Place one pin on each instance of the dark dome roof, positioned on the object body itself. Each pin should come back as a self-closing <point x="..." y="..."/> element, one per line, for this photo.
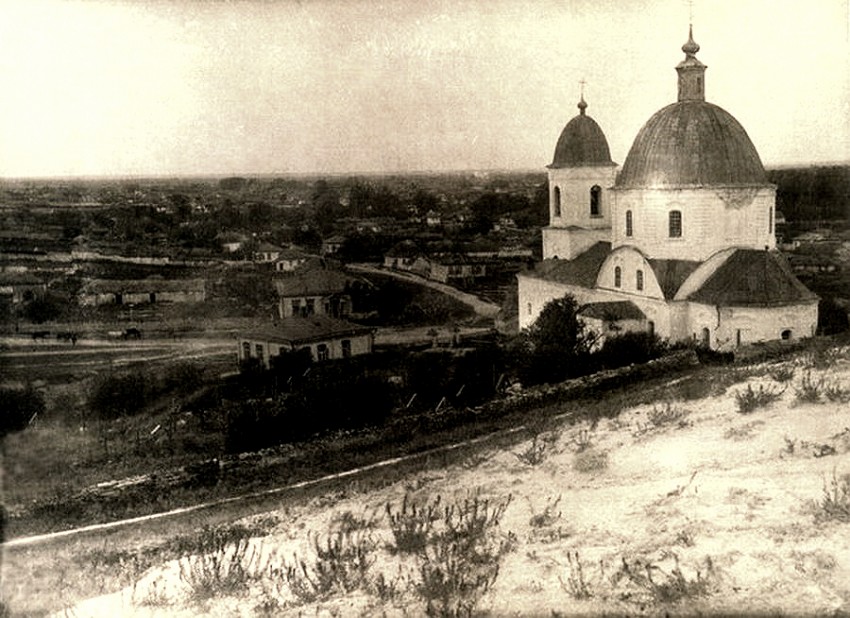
<point x="582" y="143"/>
<point x="691" y="143"/>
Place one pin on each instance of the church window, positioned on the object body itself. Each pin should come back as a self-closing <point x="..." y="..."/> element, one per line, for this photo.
<point x="639" y="280"/>
<point x="786" y="334"/>
<point x="770" y="220"/>
<point x="529" y="308"/>
<point x="618" y="276"/>
<point x="629" y="228"/>
<point x="675" y="224"/>
<point x="595" y="200"/>
<point x="557" y="201"/>
<point x="650" y="327"/>
<point x="706" y="337"/>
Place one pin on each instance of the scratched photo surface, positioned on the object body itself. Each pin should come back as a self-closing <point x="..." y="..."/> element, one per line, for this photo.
<point x="424" y="308"/>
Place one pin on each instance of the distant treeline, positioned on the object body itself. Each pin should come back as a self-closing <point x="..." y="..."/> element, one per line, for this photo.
<point x="812" y="193"/>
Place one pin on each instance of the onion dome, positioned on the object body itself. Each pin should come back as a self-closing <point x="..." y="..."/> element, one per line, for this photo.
<point x="582" y="143"/>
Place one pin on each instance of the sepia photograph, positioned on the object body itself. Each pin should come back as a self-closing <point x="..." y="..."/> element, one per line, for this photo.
<point x="429" y="308"/>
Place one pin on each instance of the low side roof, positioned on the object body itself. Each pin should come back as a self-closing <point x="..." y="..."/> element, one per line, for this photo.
<point x="752" y="278"/>
<point x="581" y="270"/>
<point x="671" y="274"/>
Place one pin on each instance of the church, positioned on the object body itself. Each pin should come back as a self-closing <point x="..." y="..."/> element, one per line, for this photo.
<point x="679" y="241"/>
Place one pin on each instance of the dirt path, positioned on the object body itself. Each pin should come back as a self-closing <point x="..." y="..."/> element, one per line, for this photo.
<point x="481" y="307"/>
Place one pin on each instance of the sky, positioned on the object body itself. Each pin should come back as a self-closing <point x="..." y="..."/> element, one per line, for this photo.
<point x="184" y="87"/>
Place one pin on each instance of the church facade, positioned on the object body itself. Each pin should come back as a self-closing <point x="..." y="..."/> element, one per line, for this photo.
<point x="678" y="241"/>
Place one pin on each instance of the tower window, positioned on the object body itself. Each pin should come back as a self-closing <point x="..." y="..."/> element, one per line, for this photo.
<point x="557" y="201"/>
<point x="629" y="228"/>
<point x="770" y="220"/>
<point x="595" y="200"/>
<point x="639" y="280"/>
<point x="618" y="276"/>
<point x="675" y="224"/>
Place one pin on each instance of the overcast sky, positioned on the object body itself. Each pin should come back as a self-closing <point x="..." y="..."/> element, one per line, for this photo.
<point x="182" y="87"/>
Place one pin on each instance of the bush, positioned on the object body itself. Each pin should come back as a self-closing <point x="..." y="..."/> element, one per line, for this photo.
<point x="226" y="563"/>
<point x="751" y="399"/>
<point x="628" y="349"/>
<point x="19" y="407"/>
<point x="835" y="503"/>
<point x="119" y="394"/>
<point x="412" y="526"/>
<point x="810" y="389"/>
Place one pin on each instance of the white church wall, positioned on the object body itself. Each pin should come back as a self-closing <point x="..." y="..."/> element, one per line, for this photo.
<point x="711" y="219"/>
<point x="566" y="244"/>
<point x="574" y="185"/>
<point x="629" y="261"/>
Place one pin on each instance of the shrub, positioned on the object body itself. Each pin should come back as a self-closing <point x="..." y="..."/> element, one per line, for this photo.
<point x="628" y="349"/>
<point x="836" y="393"/>
<point x="782" y="374"/>
<point x="810" y="389"/>
<point x="534" y="453"/>
<point x="462" y="562"/>
<point x="750" y="399"/>
<point x="19" y="407"/>
<point x="835" y="502"/>
<point x="662" y="586"/>
<point x="667" y="415"/>
<point x="227" y="564"/>
<point x="412" y="525"/>
<point x="340" y="565"/>
<point x="575" y="583"/>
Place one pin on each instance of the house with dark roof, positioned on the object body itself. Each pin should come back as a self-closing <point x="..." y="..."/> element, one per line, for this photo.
<point x="315" y="291"/>
<point x="679" y="241"/>
<point x="327" y="339"/>
<point x="402" y="255"/>
<point x="266" y="252"/>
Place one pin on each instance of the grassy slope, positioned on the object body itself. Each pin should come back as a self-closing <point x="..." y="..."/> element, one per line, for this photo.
<point x="725" y="494"/>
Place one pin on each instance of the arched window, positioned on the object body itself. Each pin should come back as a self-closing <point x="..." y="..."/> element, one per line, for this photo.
<point x="595" y="200"/>
<point x="675" y="224"/>
<point x="639" y="280"/>
<point x="786" y="334"/>
<point x="770" y="220"/>
<point x="629" y="228"/>
<point x="618" y="276"/>
<point x="557" y="201"/>
<point x="706" y="338"/>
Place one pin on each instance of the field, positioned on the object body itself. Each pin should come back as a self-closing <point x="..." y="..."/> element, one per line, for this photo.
<point x="721" y="492"/>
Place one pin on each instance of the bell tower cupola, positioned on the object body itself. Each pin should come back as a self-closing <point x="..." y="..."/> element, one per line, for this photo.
<point x="691" y="72"/>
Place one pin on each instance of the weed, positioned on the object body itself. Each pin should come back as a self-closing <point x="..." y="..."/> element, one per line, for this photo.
<point x="227" y="565"/>
<point x="575" y="583"/>
<point x="810" y="389"/>
<point x="389" y="589"/>
<point x="836" y="393"/>
<point x="462" y="562"/>
<point x="582" y="441"/>
<point x="782" y="374"/>
<point x="790" y="445"/>
<point x="835" y="502"/>
<point x="412" y="525"/>
<point x="534" y="453"/>
<point x="549" y="515"/>
<point x="751" y="399"/>
<point x="341" y="564"/>
<point x="590" y="461"/>
<point x="667" y="415"/>
<point x="665" y="586"/>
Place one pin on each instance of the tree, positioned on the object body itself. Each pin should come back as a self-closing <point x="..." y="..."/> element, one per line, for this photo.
<point x="556" y="346"/>
<point x="19" y="407"/>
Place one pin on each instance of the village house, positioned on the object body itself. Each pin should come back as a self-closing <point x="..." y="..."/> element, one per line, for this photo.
<point x="266" y="252"/>
<point x="289" y="260"/>
<point x="139" y="291"/>
<point x="315" y="291"/>
<point x="402" y="255"/>
<point x="20" y="287"/>
<point x="326" y="338"/>
<point x="684" y="231"/>
<point x="333" y="244"/>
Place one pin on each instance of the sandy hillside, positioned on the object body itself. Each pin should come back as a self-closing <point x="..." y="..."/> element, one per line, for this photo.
<point x="682" y="506"/>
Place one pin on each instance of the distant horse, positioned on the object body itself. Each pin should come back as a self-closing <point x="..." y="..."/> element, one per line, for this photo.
<point x="67" y="336"/>
<point x="40" y="334"/>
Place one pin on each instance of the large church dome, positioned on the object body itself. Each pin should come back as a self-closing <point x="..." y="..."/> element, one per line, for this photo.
<point x="582" y="143"/>
<point x="691" y="142"/>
